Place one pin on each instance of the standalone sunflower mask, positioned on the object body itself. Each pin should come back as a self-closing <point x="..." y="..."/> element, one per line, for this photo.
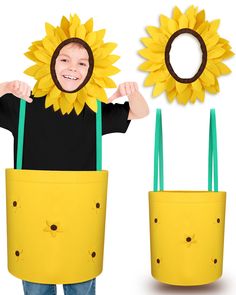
<point x="45" y="52"/>
<point x="161" y="74"/>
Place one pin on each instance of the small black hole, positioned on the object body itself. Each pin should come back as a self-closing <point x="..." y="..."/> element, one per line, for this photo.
<point x="98" y="205"/>
<point x="14" y="203"/>
<point x="17" y="253"/>
<point x="215" y="261"/>
<point x="53" y="227"/>
<point x="158" y="260"/>
<point x="188" y="239"/>
<point x="93" y="254"/>
<point x="155" y="220"/>
<point x="218" y="220"/>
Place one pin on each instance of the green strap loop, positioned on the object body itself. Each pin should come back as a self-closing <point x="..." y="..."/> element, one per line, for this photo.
<point x="158" y="155"/>
<point x="21" y="126"/>
<point x="99" y="136"/>
<point x="212" y="153"/>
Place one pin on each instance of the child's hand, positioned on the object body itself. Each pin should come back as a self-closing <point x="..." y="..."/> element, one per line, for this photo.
<point x="124" y="89"/>
<point x="19" y="89"/>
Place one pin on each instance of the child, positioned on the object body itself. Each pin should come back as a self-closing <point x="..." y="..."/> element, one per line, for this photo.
<point x="54" y="141"/>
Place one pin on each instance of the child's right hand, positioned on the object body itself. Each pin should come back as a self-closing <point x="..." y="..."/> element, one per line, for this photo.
<point x="19" y="89"/>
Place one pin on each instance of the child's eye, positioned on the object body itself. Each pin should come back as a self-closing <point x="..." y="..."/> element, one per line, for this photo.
<point x="82" y="64"/>
<point x="64" y="60"/>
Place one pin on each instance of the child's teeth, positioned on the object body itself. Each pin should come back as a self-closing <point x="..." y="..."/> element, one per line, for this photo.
<point x="69" y="77"/>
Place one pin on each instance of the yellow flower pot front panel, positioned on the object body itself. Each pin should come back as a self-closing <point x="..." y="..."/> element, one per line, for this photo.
<point x="187" y="236"/>
<point x="55" y="224"/>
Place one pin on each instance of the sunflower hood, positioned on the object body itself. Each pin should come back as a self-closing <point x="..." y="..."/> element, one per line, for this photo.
<point x="100" y="53"/>
<point x="156" y="52"/>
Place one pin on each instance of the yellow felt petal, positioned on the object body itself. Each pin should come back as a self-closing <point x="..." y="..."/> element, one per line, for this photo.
<point x="176" y="13"/>
<point x="107" y="48"/>
<point x="61" y="34"/>
<point x="158" y="88"/>
<point x="170" y="84"/>
<point x="224" y="70"/>
<point x="89" y="25"/>
<point x="38" y="92"/>
<point x="149" y="66"/>
<point x="203" y="27"/>
<point x="52" y="97"/>
<point x="172" y="26"/>
<point x="196" y="85"/>
<point x="109" y="71"/>
<point x="49" y="29"/>
<point x="153" y="46"/>
<point x="190" y="13"/>
<point x="184" y="97"/>
<point x="48" y="46"/>
<point x="100" y="35"/>
<point x="78" y="107"/>
<point x="152" y="56"/>
<point x="91" y="38"/>
<point x="46" y="82"/>
<point x="80" y="32"/>
<point x="70" y="97"/>
<point x="105" y="82"/>
<point x="214" y="25"/>
<point x="154" y="32"/>
<point x="42" y="56"/>
<point x="65" y="106"/>
<point x="96" y="91"/>
<point x="31" y="71"/>
<point x="92" y="103"/>
<point x="164" y="21"/>
<point x="180" y="87"/>
<point x="216" y="52"/>
<point x="65" y="24"/>
<point x="227" y="54"/>
<point x="75" y="20"/>
<point x="151" y="79"/>
<point x="163" y="75"/>
<point x="200" y="18"/>
<point x="183" y="22"/>
<point x="42" y="71"/>
<point x="171" y="95"/>
<point x="212" y="67"/>
<point x="208" y="78"/>
<point x="211" y="42"/>
<point x="31" y="56"/>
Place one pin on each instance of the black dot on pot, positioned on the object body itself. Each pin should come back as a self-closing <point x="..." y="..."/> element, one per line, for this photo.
<point x="218" y="220"/>
<point x="188" y="239"/>
<point x="17" y="253"/>
<point x="97" y="205"/>
<point x="158" y="261"/>
<point x="93" y="254"/>
<point x="155" y="220"/>
<point x="14" y="203"/>
<point x="53" y="227"/>
<point x="215" y="261"/>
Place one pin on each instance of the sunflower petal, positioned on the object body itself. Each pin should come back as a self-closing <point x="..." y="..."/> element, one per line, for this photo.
<point x="183" y="22"/>
<point x="159" y="88"/>
<point x="224" y="70"/>
<point x="89" y="25"/>
<point x="176" y="13"/>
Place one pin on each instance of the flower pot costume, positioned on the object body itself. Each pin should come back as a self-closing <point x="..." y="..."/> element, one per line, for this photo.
<point x="56" y="201"/>
<point x="186" y="227"/>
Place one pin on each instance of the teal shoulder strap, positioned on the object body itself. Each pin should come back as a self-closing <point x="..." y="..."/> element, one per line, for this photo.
<point x="158" y="155"/>
<point x="212" y="153"/>
<point x="21" y="127"/>
<point x="99" y="136"/>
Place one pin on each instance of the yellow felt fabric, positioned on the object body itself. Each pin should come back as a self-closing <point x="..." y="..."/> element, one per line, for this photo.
<point x="55" y="224"/>
<point x="187" y="236"/>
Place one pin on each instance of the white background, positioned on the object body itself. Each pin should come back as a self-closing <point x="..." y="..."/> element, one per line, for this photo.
<point x="129" y="157"/>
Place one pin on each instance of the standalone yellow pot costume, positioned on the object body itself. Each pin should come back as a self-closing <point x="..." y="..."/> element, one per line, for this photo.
<point x="56" y="219"/>
<point x="186" y="227"/>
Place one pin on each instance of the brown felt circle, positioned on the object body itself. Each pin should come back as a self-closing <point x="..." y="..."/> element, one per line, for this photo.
<point x="55" y="55"/>
<point x="204" y="56"/>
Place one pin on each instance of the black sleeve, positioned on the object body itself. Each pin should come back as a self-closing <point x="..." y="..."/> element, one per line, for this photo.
<point x="8" y="112"/>
<point x="115" y="118"/>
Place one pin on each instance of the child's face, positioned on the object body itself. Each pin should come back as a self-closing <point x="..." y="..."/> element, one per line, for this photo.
<point x="72" y="66"/>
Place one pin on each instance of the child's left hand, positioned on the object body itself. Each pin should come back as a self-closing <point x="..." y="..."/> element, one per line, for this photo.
<point x="137" y="104"/>
<point x="124" y="89"/>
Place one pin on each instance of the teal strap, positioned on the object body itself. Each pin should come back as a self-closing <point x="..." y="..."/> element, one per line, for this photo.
<point x="212" y="155"/>
<point x="158" y="154"/>
<point x="21" y="128"/>
<point x="99" y="136"/>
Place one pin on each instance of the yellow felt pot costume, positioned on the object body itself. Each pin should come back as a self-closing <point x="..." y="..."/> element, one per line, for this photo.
<point x="186" y="227"/>
<point x="56" y="219"/>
